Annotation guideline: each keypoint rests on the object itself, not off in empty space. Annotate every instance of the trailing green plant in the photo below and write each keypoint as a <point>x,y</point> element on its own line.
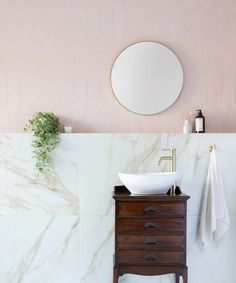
<point>45,127</point>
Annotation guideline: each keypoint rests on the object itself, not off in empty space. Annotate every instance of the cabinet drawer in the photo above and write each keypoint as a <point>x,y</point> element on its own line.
<point>149,242</point>
<point>150,257</point>
<point>147,209</point>
<point>150,226</point>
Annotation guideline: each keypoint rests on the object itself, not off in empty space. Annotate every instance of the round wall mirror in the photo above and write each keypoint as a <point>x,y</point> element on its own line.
<point>147,78</point>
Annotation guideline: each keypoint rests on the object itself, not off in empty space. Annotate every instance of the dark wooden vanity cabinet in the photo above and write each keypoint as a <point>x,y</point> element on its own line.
<point>150,234</point>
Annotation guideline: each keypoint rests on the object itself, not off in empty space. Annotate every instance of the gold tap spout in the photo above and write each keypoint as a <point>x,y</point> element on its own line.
<point>171,157</point>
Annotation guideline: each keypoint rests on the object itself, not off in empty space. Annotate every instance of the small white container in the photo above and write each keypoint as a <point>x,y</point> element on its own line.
<point>187,127</point>
<point>67,129</point>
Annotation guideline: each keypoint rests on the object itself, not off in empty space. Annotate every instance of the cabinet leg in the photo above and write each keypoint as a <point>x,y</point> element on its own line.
<point>176,277</point>
<point>115,275</point>
<point>185,276</point>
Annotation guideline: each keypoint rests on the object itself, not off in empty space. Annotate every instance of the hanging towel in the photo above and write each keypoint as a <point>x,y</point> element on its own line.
<point>214,217</point>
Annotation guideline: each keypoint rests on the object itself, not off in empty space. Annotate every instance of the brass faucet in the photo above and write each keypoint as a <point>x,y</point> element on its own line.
<point>172,158</point>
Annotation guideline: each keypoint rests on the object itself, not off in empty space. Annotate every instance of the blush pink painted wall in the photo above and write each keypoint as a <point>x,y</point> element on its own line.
<point>56,55</point>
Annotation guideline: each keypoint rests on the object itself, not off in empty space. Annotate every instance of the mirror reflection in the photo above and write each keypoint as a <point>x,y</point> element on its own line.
<point>147,78</point>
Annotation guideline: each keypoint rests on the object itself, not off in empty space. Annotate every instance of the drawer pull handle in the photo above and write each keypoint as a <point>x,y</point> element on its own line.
<point>150,257</point>
<point>150,242</point>
<point>150,226</point>
<point>150,209</point>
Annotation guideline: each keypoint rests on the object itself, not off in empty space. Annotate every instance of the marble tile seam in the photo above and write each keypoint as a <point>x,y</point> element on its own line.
<point>79,215</point>
<point>38,215</point>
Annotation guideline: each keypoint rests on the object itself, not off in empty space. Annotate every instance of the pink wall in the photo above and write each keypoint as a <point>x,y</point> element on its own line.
<point>56,55</point>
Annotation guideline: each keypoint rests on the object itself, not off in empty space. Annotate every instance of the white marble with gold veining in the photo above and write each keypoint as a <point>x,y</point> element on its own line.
<point>39,249</point>
<point>61,229</point>
<point>55,194</point>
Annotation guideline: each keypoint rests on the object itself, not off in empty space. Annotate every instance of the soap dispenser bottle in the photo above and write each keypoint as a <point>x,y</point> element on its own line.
<point>199,122</point>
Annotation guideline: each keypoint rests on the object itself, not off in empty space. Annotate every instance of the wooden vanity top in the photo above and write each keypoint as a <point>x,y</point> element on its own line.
<point>122,193</point>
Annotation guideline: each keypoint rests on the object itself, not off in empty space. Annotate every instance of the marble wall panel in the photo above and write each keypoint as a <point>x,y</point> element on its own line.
<point>62,227</point>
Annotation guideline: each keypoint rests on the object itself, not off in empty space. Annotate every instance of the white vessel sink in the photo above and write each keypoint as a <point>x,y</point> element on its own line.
<point>148,183</point>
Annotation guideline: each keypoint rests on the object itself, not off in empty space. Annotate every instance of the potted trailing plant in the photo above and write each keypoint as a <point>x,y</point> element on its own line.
<point>45,128</point>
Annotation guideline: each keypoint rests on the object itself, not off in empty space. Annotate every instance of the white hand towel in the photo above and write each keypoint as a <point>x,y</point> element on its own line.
<point>214,217</point>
